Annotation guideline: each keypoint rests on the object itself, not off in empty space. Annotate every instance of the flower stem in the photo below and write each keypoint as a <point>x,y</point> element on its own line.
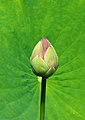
<point>42,103</point>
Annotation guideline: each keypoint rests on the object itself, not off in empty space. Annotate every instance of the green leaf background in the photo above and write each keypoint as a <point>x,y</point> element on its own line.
<point>22,24</point>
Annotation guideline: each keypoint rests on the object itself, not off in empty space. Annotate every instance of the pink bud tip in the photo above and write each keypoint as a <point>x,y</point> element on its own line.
<point>45,45</point>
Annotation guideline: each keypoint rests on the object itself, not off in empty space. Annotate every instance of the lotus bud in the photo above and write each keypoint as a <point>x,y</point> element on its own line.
<point>44,59</point>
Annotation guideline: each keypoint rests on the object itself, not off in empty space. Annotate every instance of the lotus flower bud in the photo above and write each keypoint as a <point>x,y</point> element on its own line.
<point>44,60</point>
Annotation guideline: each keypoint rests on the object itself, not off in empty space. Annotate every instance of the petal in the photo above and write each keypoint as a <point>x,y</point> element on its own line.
<point>39,66</point>
<point>37,50</point>
<point>51,58</point>
<point>50,72</point>
<point>45,45</point>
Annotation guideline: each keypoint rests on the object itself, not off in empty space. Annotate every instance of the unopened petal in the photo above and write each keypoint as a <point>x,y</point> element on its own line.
<point>51,58</point>
<point>45,44</point>
<point>39,66</point>
<point>50,72</point>
<point>37,50</point>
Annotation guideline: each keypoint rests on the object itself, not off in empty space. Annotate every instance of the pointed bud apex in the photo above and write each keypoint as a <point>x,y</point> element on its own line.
<point>44,60</point>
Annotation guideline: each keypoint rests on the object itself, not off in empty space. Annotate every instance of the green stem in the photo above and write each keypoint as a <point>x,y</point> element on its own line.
<point>42,104</point>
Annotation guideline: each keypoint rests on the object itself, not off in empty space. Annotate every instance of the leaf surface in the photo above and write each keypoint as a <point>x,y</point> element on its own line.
<point>22,24</point>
